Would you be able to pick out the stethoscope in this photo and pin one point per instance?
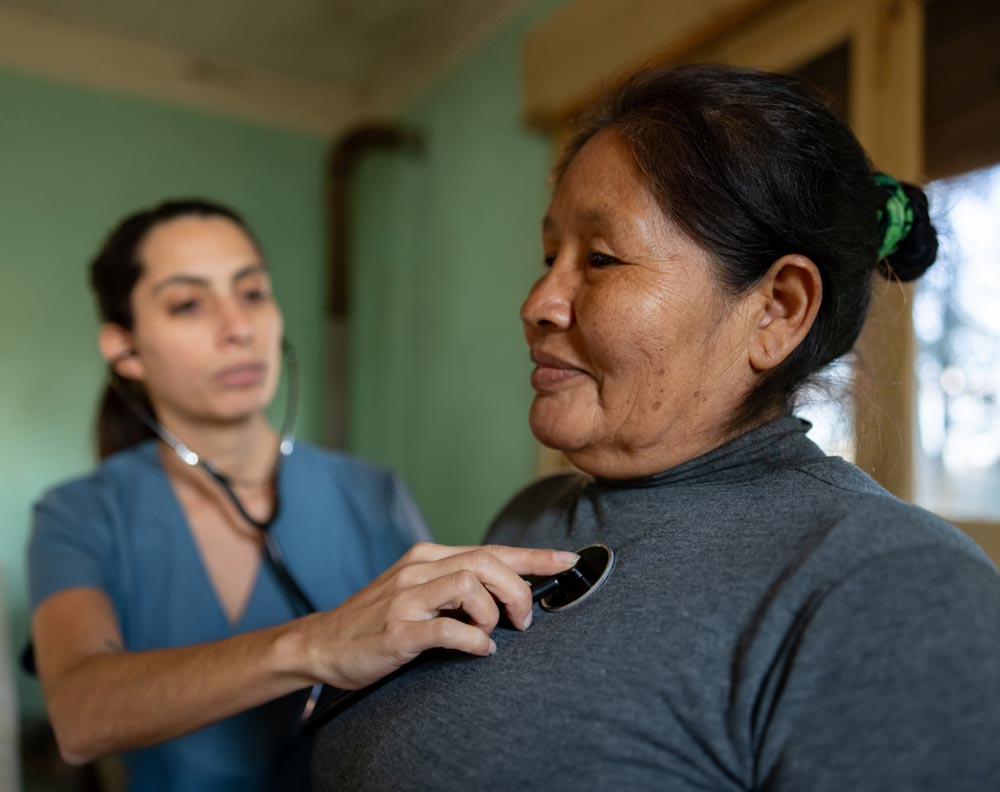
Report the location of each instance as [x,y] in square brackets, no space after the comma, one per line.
[300,602]
[555,594]
[568,589]
[297,598]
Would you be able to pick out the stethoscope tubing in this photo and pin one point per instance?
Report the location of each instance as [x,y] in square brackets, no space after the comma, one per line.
[301,603]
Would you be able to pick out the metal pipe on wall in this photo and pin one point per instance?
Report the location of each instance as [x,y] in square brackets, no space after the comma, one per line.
[345,154]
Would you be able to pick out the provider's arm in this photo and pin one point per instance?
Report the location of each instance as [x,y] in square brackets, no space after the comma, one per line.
[103,699]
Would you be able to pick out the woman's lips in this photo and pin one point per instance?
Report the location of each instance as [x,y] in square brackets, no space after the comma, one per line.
[551,371]
[548,378]
[245,375]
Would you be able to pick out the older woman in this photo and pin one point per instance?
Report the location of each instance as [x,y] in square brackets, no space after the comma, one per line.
[775,620]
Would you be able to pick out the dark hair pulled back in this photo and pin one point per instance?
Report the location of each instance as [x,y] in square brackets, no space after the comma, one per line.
[752,166]
[114,272]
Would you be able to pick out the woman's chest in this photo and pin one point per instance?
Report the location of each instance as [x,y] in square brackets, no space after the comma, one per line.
[634,688]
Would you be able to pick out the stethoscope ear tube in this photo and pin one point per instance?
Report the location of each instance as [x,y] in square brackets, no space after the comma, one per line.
[301,603]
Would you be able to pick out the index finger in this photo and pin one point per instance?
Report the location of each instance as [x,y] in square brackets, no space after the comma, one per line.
[523,560]
[532,561]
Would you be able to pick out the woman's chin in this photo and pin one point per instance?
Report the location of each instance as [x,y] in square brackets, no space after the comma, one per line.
[238,411]
[556,428]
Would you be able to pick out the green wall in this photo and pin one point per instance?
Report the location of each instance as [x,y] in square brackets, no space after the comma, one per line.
[446,245]
[72,161]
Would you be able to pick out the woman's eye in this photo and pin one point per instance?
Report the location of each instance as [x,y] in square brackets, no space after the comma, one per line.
[255,295]
[596,259]
[185,307]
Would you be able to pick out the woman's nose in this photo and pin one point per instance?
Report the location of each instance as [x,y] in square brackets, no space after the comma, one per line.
[550,302]
[236,324]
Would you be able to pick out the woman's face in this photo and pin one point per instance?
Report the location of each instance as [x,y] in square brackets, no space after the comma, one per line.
[640,358]
[207,331]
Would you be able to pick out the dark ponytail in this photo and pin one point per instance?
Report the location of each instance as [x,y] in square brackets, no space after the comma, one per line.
[117,426]
[114,272]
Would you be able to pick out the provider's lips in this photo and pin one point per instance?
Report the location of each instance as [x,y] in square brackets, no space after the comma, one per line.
[552,371]
[245,375]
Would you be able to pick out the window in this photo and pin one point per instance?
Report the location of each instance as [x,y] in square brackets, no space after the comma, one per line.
[956,317]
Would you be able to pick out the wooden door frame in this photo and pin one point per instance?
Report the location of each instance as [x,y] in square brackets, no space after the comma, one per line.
[885,39]
[886,90]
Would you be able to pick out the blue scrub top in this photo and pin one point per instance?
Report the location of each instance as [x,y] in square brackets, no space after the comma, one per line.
[122,530]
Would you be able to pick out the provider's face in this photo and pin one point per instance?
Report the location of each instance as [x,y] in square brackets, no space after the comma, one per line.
[207,331]
[640,359]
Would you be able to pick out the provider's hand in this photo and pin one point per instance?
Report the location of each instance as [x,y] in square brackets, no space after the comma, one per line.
[405,610]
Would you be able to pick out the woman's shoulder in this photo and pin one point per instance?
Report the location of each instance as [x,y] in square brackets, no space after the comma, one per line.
[117,477]
[79,525]
[875,521]
[331,459]
[317,463]
[543,492]
[376,497]
[514,523]
[844,532]
[365,486]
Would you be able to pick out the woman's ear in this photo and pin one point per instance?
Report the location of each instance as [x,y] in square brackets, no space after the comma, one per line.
[117,348]
[785,303]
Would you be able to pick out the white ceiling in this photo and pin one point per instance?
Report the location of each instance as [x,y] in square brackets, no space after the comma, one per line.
[370,54]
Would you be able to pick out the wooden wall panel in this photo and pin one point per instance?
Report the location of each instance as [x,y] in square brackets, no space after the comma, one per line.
[590,42]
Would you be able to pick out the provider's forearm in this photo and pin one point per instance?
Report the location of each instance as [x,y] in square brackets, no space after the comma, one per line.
[118,701]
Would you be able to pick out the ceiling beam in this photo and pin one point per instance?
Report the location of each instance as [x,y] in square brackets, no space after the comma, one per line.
[45,46]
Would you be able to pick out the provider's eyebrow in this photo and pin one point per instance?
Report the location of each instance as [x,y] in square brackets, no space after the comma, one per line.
[194,280]
[250,269]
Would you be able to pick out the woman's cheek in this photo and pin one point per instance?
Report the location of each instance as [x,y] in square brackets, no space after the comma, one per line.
[633,323]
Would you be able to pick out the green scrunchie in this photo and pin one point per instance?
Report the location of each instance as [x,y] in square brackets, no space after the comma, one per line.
[896,219]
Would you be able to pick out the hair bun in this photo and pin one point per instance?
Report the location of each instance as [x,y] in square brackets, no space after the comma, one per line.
[918,250]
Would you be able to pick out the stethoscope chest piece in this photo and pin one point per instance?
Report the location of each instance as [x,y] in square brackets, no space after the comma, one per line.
[576,585]
[557,593]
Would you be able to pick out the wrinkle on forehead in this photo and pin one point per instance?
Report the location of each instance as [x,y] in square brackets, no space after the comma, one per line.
[603,194]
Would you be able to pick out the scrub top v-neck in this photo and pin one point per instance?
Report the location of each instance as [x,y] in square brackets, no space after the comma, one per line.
[257,606]
[122,530]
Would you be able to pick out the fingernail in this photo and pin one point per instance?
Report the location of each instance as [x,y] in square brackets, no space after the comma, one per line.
[527,621]
[493,646]
[564,557]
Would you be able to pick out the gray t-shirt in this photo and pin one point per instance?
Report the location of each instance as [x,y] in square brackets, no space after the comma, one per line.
[774,621]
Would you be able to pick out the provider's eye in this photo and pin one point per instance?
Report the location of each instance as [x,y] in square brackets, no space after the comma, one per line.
[255,295]
[186,307]
[600,259]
